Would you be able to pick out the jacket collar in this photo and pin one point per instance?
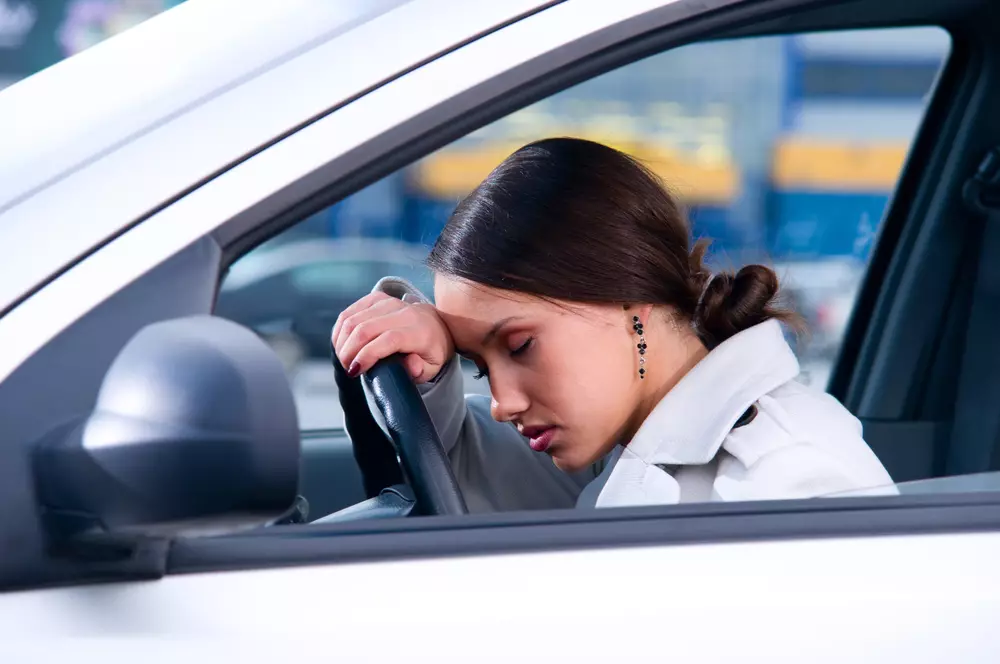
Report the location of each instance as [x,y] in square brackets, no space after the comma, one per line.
[690,424]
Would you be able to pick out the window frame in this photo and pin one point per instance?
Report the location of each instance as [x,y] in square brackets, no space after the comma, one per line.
[573,530]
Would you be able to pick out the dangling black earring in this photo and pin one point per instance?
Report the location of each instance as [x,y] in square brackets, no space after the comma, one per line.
[637,326]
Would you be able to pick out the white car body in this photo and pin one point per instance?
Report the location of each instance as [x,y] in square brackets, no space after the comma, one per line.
[184,132]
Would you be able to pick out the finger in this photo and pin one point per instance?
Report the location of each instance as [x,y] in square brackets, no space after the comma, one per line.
[362,304]
[392,341]
[349,325]
[414,366]
[368,330]
[361,329]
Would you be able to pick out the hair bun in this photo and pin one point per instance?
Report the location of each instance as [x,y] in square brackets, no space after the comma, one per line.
[732,303]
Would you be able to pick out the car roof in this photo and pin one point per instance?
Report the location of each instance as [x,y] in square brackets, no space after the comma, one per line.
[75,110]
[111,135]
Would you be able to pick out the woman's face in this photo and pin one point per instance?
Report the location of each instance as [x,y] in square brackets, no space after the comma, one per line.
[565,374]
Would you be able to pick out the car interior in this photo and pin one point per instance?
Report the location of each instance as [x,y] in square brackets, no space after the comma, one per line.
[918,364]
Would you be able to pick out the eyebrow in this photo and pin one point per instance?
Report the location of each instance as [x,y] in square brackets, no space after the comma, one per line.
[496,328]
[489,335]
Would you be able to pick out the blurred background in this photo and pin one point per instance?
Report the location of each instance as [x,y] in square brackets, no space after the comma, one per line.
[785,151]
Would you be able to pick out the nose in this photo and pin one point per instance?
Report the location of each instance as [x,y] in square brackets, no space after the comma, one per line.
[509,400]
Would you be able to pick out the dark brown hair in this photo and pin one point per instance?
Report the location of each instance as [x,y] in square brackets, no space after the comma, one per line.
[575,220]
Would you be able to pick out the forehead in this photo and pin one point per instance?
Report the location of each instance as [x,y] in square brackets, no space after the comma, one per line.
[464,299]
[470,309]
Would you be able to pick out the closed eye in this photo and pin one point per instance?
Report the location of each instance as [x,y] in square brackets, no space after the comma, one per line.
[523,347]
[484,373]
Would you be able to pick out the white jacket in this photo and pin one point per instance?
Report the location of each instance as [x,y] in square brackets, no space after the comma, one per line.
[801,443]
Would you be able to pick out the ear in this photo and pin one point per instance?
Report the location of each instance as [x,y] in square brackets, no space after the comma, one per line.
[633,311]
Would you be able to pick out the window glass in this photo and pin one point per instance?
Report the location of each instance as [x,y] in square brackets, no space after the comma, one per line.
[332,276]
[785,150]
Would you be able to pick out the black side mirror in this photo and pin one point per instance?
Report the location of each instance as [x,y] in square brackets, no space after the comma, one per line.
[195,429]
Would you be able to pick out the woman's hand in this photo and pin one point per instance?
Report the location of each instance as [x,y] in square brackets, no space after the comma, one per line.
[379,325]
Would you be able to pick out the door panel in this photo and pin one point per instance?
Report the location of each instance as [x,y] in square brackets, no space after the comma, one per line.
[910,599]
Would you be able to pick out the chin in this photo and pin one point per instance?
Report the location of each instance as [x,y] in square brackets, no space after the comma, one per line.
[569,465]
[573,459]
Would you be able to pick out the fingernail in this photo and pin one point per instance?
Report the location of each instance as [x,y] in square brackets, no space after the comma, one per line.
[354,370]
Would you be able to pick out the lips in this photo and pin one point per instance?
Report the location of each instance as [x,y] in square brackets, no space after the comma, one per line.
[539,438]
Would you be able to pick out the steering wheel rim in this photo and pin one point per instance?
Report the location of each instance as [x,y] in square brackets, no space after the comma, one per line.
[421,453]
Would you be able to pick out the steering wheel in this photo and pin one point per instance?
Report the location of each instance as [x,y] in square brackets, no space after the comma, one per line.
[421,454]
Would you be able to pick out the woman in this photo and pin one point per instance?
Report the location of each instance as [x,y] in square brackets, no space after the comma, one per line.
[621,371]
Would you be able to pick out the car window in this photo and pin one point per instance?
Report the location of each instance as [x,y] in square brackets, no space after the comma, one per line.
[785,150]
[415,273]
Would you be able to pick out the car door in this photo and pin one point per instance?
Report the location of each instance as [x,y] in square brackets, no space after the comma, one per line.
[784,581]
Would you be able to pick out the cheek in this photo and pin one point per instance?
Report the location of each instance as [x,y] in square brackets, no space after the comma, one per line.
[603,391]
[586,376]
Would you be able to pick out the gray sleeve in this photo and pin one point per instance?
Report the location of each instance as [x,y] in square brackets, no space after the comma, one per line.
[493,464]
[498,471]
[444,398]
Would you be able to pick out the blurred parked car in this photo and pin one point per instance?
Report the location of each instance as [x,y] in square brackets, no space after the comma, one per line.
[291,293]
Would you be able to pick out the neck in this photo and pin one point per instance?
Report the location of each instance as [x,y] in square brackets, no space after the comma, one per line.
[665,370]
